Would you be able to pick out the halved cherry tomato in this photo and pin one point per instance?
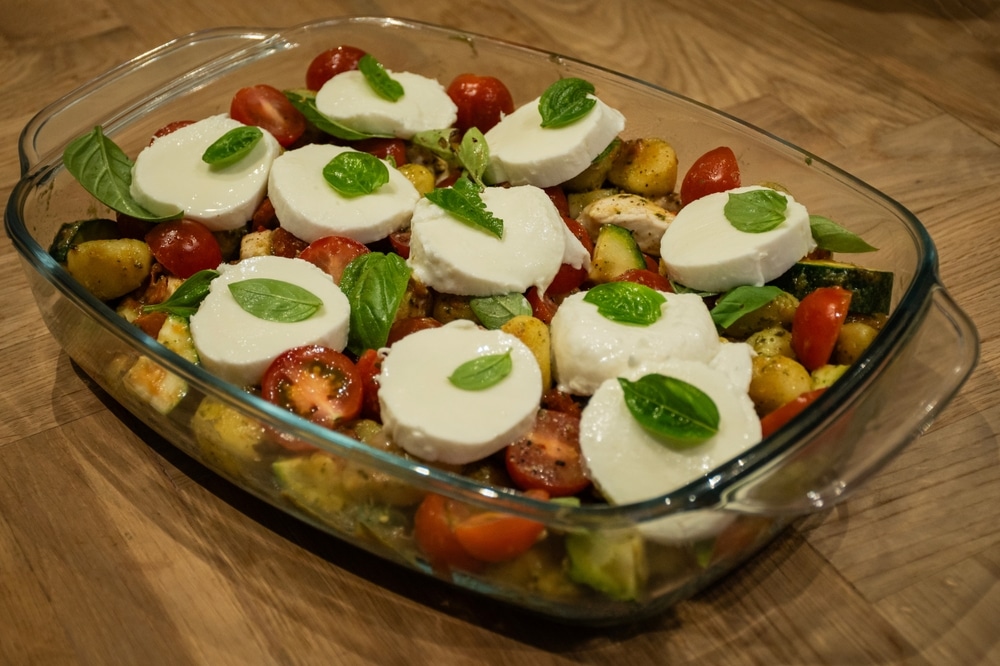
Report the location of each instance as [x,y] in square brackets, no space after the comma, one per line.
[492,536]
[817,323]
[549,457]
[646,277]
[433,530]
[184,247]
[542,305]
[777,419]
[400,241]
[715,171]
[286,244]
[315,382]
[560,401]
[330,63]
[333,253]
[383,149]
[369,365]
[267,107]
[558,196]
[403,327]
[170,128]
[481,101]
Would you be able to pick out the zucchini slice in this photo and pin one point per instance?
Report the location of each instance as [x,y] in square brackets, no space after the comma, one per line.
[871,289]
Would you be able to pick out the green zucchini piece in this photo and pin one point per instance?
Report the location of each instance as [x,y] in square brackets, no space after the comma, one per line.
[611,563]
[615,252]
[73,233]
[871,289]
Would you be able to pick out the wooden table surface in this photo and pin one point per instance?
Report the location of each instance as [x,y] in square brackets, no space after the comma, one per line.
[115,548]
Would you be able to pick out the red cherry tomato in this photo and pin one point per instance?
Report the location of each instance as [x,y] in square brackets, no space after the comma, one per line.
[558,197]
[384,149]
[549,457]
[266,107]
[817,323]
[715,171]
[403,327]
[184,247]
[481,101]
[646,277]
[559,401]
[315,382]
[777,419]
[369,365]
[433,530]
[329,63]
[542,305]
[286,244]
[400,241]
[497,537]
[333,253]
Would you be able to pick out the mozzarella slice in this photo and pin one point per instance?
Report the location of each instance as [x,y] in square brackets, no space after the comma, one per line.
[704,251]
[349,100]
[455,258]
[310,208]
[587,348]
[522,152]
[238,346]
[423,412]
[169,175]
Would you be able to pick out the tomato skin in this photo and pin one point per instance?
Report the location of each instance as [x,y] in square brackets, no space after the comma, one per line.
[560,401]
[331,62]
[403,327]
[286,244]
[433,531]
[817,323]
[777,419]
[715,171]
[184,247]
[481,101]
[496,537]
[315,382]
[333,253]
[646,277]
[542,305]
[558,197]
[369,365]
[383,148]
[400,242]
[267,107]
[549,458]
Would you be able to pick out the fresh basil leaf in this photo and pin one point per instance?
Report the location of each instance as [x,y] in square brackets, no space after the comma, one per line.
[232,146]
[482,372]
[566,101]
[354,173]
[740,301]
[305,102]
[464,202]
[672,410]
[275,300]
[474,155]
[378,78]
[831,236]
[495,311]
[105,171]
[374,284]
[756,211]
[186,298]
[627,302]
[439,143]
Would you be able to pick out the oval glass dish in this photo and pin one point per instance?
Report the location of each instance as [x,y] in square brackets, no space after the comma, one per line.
[640,558]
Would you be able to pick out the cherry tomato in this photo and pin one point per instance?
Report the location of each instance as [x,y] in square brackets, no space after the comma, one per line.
[315,382]
[549,457]
[286,244]
[542,305]
[400,241]
[817,323]
[264,217]
[369,365]
[329,63]
[497,537]
[558,196]
[560,401]
[433,530]
[715,171]
[775,420]
[481,101]
[170,128]
[384,149]
[569,278]
[184,247]
[403,327]
[266,107]
[333,253]
[646,277]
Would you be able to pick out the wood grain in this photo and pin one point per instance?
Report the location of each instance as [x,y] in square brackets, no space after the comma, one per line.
[115,548]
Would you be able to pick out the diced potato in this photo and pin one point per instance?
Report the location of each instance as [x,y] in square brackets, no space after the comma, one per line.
[421,176]
[778,312]
[449,307]
[826,375]
[777,380]
[645,166]
[417,301]
[227,439]
[594,175]
[853,340]
[772,341]
[110,268]
[535,334]
[256,244]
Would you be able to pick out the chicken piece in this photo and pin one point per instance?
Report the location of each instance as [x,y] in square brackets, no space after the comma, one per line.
[642,217]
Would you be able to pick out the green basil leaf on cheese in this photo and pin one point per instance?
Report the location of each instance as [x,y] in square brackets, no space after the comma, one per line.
[831,236]
[105,171]
[464,202]
[740,301]
[627,302]
[354,173]
[672,410]
[186,298]
[275,300]
[374,284]
[378,78]
[232,146]
[566,101]
[305,102]
[756,211]
[495,311]
[482,372]
[474,155]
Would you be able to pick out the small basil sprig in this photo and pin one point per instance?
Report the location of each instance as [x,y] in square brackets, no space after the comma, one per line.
[275,300]
[232,146]
[186,298]
[495,311]
[354,173]
[474,155]
[439,142]
[305,102]
[566,101]
[464,202]
[482,372]
[740,301]
[374,284]
[831,236]
[378,78]
[627,302]
[672,410]
[756,211]
[105,171]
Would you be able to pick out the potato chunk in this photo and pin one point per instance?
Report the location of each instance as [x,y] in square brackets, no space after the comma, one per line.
[110,268]
[645,166]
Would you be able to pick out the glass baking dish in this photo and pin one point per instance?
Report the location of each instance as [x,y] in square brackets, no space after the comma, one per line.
[657,551]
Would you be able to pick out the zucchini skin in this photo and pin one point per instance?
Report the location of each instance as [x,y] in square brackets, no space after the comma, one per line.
[871,289]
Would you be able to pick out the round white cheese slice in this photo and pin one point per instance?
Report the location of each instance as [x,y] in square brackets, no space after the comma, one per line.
[238,346]
[702,250]
[423,412]
[522,152]
[169,174]
[310,208]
